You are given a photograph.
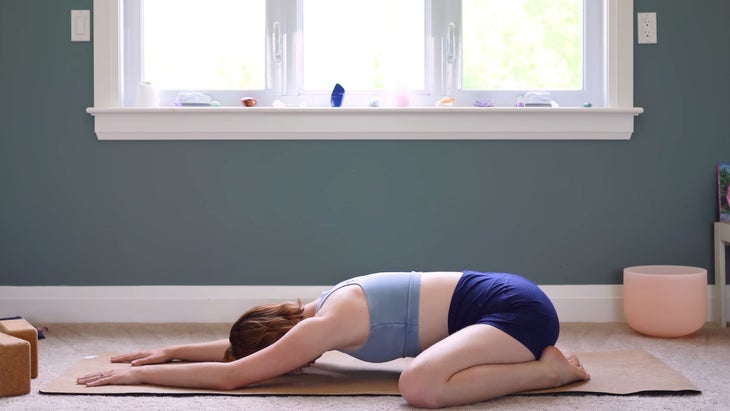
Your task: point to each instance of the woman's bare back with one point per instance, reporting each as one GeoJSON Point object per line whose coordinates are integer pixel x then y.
{"type": "Point", "coordinates": [437, 288]}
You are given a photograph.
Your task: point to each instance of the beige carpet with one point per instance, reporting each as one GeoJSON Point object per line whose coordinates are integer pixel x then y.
{"type": "Point", "coordinates": [612, 372]}
{"type": "Point", "coordinates": [702, 358]}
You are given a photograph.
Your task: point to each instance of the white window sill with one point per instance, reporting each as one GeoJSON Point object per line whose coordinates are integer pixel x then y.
{"type": "Point", "coordinates": [453, 123]}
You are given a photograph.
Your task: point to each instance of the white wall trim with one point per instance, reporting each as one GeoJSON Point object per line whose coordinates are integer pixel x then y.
{"type": "Point", "coordinates": [208, 304]}
{"type": "Point", "coordinates": [412, 123]}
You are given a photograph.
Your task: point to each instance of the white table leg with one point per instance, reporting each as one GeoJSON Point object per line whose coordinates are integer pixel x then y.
{"type": "Point", "coordinates": [722, 238]}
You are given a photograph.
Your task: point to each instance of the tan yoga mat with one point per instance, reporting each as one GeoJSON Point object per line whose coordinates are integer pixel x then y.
{"type": "Point", "coordinates": [612, 372]}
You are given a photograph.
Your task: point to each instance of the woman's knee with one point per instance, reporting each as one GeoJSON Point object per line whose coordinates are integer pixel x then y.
{"type": "Point", "coordinates": [420, 388]}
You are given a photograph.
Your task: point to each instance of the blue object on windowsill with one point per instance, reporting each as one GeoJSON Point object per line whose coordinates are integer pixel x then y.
{"type": "Point", "coordinates": [338, 93]}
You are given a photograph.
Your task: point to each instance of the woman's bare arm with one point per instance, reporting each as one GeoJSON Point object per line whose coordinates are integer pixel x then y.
{"type": "Point", "coordinates": [302, 344]}
{"type": "Point", "coordinates": [198, 352]}
{"type": "Point", "coordinates": [342, 323]}
{"type": "Point", "coordinates": [211, 375]}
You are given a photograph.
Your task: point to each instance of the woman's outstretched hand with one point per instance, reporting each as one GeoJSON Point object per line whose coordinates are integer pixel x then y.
{"type": "Point", "coordinates": [126, 376]}
{"type": "Point", "coordinates": [144, 357]}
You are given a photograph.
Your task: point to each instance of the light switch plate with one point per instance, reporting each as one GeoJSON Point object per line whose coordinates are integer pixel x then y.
{"type": "Point", "coordinates": [80, 25]}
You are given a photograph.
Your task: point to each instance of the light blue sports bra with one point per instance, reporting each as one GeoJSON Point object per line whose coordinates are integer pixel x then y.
{"type": "Point", "coordinates": [392, 300]}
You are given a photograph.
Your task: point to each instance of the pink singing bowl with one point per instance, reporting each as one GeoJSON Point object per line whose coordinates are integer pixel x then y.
{"type": "Point", "coordinates": [665, 300]}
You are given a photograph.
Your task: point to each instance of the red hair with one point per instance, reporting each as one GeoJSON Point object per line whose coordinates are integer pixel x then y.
{"type": "Point", "coordinates": [262, 326]}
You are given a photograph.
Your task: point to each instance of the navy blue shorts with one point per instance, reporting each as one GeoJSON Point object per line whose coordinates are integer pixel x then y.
{"type": "Point", "coordinates": [508, 302]}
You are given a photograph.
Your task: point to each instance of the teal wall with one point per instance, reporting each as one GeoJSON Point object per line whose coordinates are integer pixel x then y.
{"type": "Point", "coordinates": [78, 211]}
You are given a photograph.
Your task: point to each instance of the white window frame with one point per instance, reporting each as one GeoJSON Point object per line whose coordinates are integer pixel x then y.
{"type": "Point", "coordinates": [113, 121]}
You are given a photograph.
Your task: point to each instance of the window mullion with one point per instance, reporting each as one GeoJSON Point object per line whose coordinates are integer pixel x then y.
{"type": "Point", "coordinates": [437, 50]}
{"type": "Point", "coordinates": [446, 46]}
{"type": "Point", "coordinates": [274, 58]}
{"type": "Point", "coordinates": [594, 49]}
{"type": "Point", "coordinates": [133, 51]}
{"type": "Point", "coordinates": [282, 47]}
{"type": "Point", "coordinates": [292, 47]}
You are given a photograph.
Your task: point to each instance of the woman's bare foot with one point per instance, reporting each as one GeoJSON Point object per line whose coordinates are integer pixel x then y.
{"type": "Point", "coordinates": [566, 367]}
{"type": "Point", "coordinates": [572, 358]}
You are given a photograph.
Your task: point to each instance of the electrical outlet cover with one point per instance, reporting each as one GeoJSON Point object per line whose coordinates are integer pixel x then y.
{"type": "Point", "coordinates": [646, 28]}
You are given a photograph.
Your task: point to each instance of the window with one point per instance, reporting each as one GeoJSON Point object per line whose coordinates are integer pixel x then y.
{"type": "Point", "coordinates": [294, 51]}
{"type": "Point", "coordinates": [216, 47]}
{"type": "Point", "coordinates": [513, 47]}
{"type": "Point", "coordinates": [370, 47]}
{"type": "Point", "coordinates": [470, 49]}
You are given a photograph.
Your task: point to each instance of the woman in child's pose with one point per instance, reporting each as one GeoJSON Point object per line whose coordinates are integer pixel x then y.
{"type": "Point", "coordinates": [474, 336]}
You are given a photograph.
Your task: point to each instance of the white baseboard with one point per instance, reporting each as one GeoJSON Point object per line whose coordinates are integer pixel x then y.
{"type": "Point", "coordinates": [209, 304]}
